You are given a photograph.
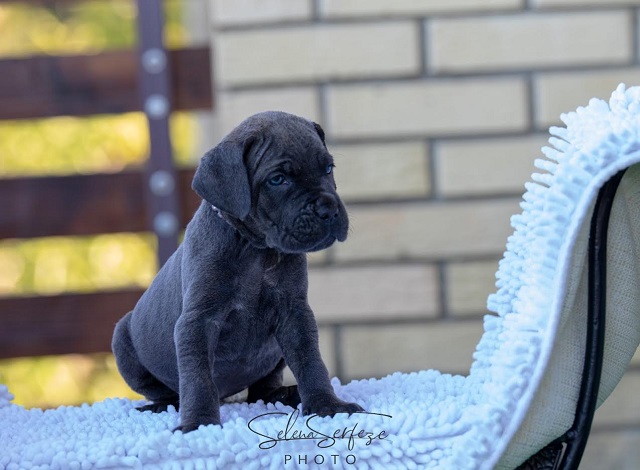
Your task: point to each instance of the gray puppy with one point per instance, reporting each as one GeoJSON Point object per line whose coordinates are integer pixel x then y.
{"type": "Point", "coordinates": [229, 309]}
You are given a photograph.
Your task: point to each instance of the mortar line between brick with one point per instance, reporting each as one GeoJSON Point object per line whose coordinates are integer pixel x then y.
{"type": "Point", "coordinates": [338, 352]}
{"type": "Point", "coordinates": [316, 11]}
{"type": "Point", "coordinates": [432, 165]}
{"type": "Point", "coordinates": [322, 101]}
{"type": "Point", "coordinates": [408, 78]}
{"type": "Point", "coordinates": [531, 102]}
{"type": "Point", "coordinates": [312, 20]}
{"type": "Point", "coordinates": [413, 261]}
{"type": "Point", "coordinates": [401, 321]}
{"type": "Point", "coordinates": [443, 303]}
{"type": "Point", "coordinates": [318, 19]}
{"type": "Point", "coordinates": [614, 427]}
{"type": "Point", "coordinates": [395, 139]}
{"type": "Point", "coordinates": [436, 201]}
{"type": "Point", "coordinates": [527, 8]}
{"type": "Point", "coordinates": [331, 260]}
{"type": "Point", "coordinates": [635, 37]}
{"type": "Point", "coordinates": [423, 47]}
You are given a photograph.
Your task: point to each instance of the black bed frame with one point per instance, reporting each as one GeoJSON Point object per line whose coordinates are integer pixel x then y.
{"type": "Point", "coordinates": [566, 452]}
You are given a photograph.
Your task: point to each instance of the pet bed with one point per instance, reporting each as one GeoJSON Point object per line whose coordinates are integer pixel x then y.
{"type": "Point", "coordinates": [521, 391]}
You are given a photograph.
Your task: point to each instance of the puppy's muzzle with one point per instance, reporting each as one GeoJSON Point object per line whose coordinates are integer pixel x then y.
{"type": "Point", "coordinates": [325, 208]}
{"type": "Point", "coordinates": [321, 223]}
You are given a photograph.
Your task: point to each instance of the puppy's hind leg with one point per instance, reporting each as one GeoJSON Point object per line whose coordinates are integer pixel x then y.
{"type": "Point", "coordinates": [270, 389]}
{"type": "Point", "coordinates": [136, 375]}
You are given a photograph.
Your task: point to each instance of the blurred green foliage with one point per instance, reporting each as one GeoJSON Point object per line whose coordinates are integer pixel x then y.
{"type": "Point", "coordinates": [68, 145]}
{"type": "Point", "coordinates": [78, 264]}
{"type": "Point", "coordinates": [85, 26]}
{"type": "Point", "coordinates": [48, 382]}
{"type": "Point", "coordinates": [66, 27]}
{"type": "Point", "coordinates": [95, 144]}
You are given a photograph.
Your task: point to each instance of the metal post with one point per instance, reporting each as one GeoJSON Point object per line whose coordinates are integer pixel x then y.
{"type": "Point", "coordinates": [162, 198]}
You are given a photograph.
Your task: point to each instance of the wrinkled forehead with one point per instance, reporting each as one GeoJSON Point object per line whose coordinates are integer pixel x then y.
{"type": "Point", "coordinates": [294, 141]}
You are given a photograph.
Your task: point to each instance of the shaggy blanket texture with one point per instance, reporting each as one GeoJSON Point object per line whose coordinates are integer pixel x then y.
{"type": "Point", "coordinates": [521, 389]}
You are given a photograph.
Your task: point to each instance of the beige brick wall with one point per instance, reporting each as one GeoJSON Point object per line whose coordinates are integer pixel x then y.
{"type": "Point", "coordinates": [427, 108]}
{"type": "Point", "coordinates": [434, 111]}
{"type": "Point", "coordinates": [409, 347]}
{"type": "Point", "coordinates": [512, 42]}
{"type": "Point", "coordinates": [246, 12]}
{"type": "Point", "coordinates": [372, 171]}
{"type": "Point", "coordinates": [467, 284]}
{"type": "Point", "coordinates": [354, 9]}
{"type": "Point", "coordinates": [557, 92]}
{"type": "Point", "coordinates": [476, 166]}
{"type": "Point", "coordinates": [280, 56]}
{"type": "Point", "coordinates": [423, 230]}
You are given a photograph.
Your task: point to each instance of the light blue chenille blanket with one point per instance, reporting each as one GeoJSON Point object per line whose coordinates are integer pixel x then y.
{"type": "Point", "coordinates": [519, 394]}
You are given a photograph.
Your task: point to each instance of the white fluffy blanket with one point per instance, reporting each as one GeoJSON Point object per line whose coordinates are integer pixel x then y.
{"type": "Point", "coordinates": [419, 420]}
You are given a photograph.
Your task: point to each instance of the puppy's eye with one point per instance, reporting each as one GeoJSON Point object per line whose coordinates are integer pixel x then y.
{"type": "Point", "coordinates": [329, 168]}
{"type": "Point", "coordinates": [277, 180]}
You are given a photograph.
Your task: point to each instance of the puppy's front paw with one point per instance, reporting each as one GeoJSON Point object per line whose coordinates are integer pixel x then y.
{"type": "Point", "coordinates": [157, 407]}
{"type": "Point", "coordinates": [191, 423]}
{"type": "Point", "coordinates": [188, 427]}
{"type": "Point", "coordinates": [327, 405]}
{"type": "Point", "coordinates": [185, 428]}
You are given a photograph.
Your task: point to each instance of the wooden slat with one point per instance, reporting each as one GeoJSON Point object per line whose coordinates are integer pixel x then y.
{"type": "Point", "coordinates": [82, 204]}
{"type": "Point", "coordinates": [61, 324]}
{"type": "Point", "coordinates": [44, 86]}
{"type": "Point", "coordinates": [192, 82]}
{"type": "Point", "coordinates": [41, 2]}
{"type": "Point", "coordinates": [189, 200]}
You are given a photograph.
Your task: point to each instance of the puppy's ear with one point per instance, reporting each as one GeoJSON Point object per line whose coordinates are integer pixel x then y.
{"type": "Point", "coordinates": [221, 179]}
{"type": "Point", "coordinates": [320, 132]}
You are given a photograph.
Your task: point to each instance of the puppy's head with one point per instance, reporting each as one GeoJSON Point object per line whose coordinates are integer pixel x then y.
{"type": "Point", "coordinates": [274, 173]}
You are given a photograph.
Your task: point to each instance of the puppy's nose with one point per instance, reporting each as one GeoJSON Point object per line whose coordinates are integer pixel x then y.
{"type": "Point", "coordinates": [325, 207]}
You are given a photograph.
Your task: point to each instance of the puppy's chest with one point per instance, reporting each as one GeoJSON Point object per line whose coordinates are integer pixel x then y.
{"type": "Point", "coordinates": [254, 315]}
{"type": "Point", "coordinates": [271, 297]}
{"type": "Point", "coordinates": [272, 271]}
{"type": "Point", "coordinates": [262, 292]}
{"type": "Point", "coordinates": [270, 279]}
{"type": "Point", "coordinates": [263, 289]}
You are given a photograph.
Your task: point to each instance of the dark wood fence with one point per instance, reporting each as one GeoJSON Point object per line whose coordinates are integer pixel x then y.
{"type": "Point", "coordinates": [156, 198]}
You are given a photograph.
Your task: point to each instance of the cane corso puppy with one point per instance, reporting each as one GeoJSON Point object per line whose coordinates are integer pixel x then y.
{"type": "Point", "coordinates": [229, 309]}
